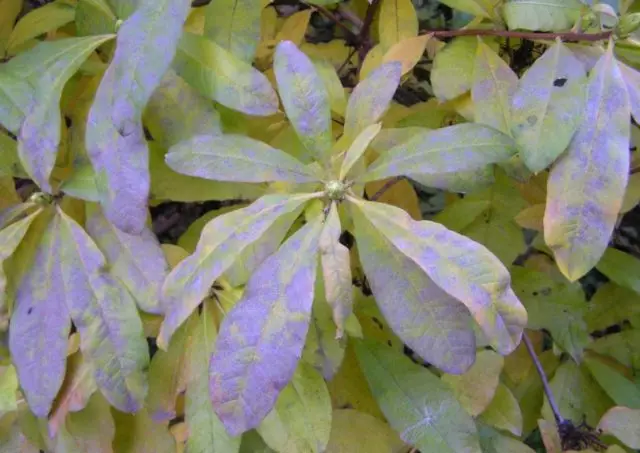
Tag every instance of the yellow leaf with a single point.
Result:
(10, 10)
(408, 52)
(358, 432)
(398, 21)
(531, 217)
(195, 21)
(335, 52)
(504, 411)
(294, 27)
(372, 61)
(401, 194)
(8, 194)
(632, 195)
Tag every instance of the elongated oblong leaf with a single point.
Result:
(431, 322)
(547, 107)
(220, 243)
(624, 423)
(136, 260)
(236, 158)
(305, 99)
(398, 21)
(544, 15)
(40, 132)
(358, 148)
(115, 138)
(417, 404)
(219, 75)
(371, 98)
(461, 267)
(463, 147)
(15, 97)
(261, 339)
(105, 315)
(234, 25)
(586, 185)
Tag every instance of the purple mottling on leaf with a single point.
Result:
(261, 339)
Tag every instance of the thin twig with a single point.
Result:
(543, 378)
(365, 42)
(565, 36)
(387, 185)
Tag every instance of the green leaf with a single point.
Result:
(463, 147)
(358, 148)
(611, 305)
(10, 238)
(476, 388)
(453, 66)
(8, 389)
(547, 107)
(586, 185)
(559, 307)
(543, 15)
(92, 429)
(219, 75)
(333, 85)
(305, 99)
(9, 161)
(38, 22)
(140, 434)
(482, 8)
(16, 95)
(623, 346)
(631, 77)
(398, 21)
(416, 403)
(431, 322)
(253, 443)
(359, 432)
(262, 337)
(621, 390)
(578, 396)
(301, 419)
(494, 84)
(206, 432)
(136, 260)
(176, 112)
(493, 441)
(114, 137)
(623, 423)
(94, 17)
(464, 269)
(220, 243)
(237, 158)
(504, 411)
(336, 270)
(11, 9)
(371, 98)
(234, 25)
(621, 268)
(168, 374)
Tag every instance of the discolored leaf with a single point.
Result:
(504, 411)
(550, 436)
(452, 73)
(261, 339)
(371, 98)
(39, 136)
(587, 184)
(236, 158)
(136, 260)
(305, 99)
(220, 242)
(234, 25)
(543, 15)
(431, 322)
(401, 194)
(398, 21)
(358, 148)
(115, 139)
(623, 423)
(463, 147)
(140, 434)
(39, 21)
(408, 52)
(332, 83)
(418, 406)
(476, 388)
(547, 107)
(301, 419)
(8, 389)
(219, 75)
(92, 429)
(336, 270)
(461, 267)
(494, 84)
(206, 432)
(358, 432)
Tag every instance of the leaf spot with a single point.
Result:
(532, 120)
(29, 310)
(560, 82)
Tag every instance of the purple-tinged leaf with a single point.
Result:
(547, 107)
(631, 78)
(115, 138)
(262, 337)
(219, 75)
(105, 314)
(494, 84)
(206, 432)
(459, 148)
(461, 267)
(234, 25)
(587, 184)
(336, 270)
(40, 324)
(371, 98)
(136, 260)
(305, 99)
(431, 322)
(39, 136)
(237, 158)
(221, 241)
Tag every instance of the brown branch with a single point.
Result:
(543, 378)
(365, 42)
(565, 36)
